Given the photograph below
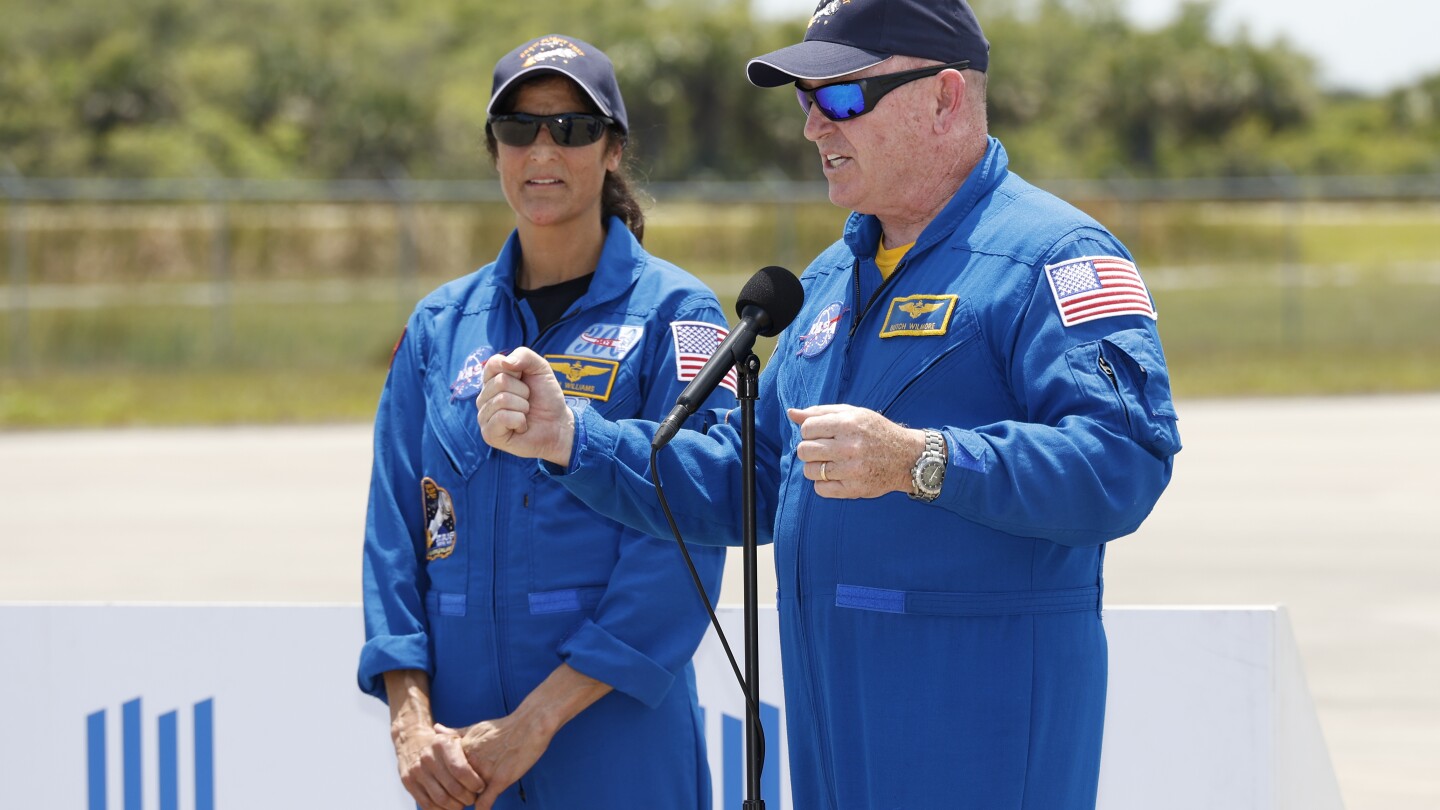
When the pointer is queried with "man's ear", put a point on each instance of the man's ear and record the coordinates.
(949, 100)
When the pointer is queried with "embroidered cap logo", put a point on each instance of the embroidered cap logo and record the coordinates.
(827, 10)
(549, 49)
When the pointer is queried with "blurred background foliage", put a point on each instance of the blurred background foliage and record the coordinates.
(249, 297)
(383, 88)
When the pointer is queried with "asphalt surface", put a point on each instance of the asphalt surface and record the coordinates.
(1328, 506)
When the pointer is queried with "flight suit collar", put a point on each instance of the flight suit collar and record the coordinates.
(862, 231)
(621, 261)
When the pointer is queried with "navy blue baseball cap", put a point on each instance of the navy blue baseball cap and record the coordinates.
(575, 59)
(849, 35)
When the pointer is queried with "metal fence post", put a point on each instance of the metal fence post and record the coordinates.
(221, 292)
(18, 358)
(405, 250)
(1291, 272)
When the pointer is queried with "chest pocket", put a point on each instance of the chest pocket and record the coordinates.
(452, 420)
(614, 393)
(932, 379)
(571, 549)
(451, 423)
(812, 356)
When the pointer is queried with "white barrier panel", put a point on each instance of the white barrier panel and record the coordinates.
(1208, 708)
(188, 707)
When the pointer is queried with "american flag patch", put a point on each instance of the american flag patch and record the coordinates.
(695, 341)
(1098, 287)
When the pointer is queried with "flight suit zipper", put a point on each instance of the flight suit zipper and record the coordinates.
(538, 345)
(875, 296)
(804, 601)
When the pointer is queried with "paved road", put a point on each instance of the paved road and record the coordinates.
(1326, 506)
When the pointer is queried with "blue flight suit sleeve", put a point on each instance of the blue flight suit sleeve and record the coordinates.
(699, 469)
(1096, 447)
(650, 618)
(394, 578)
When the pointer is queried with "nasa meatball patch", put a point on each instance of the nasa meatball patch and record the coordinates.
(822, 330)
(470, 378)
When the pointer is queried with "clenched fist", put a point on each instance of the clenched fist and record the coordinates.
(522, 410)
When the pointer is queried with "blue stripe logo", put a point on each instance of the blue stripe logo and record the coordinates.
(732, 777)
(131, 759)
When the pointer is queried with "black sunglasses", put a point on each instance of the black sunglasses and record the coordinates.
(566, 129)
(842, 101)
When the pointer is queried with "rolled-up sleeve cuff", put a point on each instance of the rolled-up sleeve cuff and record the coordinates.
(384, 654)
(970, 459)
(594, 652)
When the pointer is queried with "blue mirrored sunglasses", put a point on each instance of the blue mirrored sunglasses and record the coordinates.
(842, 101)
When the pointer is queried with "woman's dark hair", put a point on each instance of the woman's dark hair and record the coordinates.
(616, 197)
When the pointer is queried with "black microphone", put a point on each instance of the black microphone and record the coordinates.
(767, 304)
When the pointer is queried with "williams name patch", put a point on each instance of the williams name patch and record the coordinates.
(589, 377)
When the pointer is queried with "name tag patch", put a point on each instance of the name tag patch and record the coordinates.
(589, 377)
(916, 315)
(439, 520)
(611, 341)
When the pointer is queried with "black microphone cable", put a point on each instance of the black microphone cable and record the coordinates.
(750, 707)
(767, 304)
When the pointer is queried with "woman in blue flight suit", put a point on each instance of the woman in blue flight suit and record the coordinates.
(532, 651)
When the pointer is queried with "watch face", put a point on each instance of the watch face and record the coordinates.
(932, 475)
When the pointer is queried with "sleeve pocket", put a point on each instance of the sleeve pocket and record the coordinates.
(1134, 370)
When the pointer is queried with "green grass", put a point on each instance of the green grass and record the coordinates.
(146, 398)
(1255, 299)
(310, 362)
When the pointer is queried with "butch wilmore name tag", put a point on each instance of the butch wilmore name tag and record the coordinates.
(917, 315)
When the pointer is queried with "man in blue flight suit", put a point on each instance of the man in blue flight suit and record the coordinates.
(972, 402)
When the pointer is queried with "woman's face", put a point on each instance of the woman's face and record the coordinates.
(547, 184)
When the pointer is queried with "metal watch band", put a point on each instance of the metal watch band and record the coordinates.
(934, 453)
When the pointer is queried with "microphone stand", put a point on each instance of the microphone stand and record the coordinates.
(749, 388)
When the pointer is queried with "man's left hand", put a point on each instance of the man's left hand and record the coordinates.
(852, 452)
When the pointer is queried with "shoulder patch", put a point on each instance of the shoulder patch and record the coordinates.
(396, 349)
(695, 341)
(1095, 287)
(440, 532)
(918, 315)
(589, 377)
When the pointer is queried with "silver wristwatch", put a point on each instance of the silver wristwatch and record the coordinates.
(928, 474)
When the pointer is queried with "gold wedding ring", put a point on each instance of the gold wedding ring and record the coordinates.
(823, 476)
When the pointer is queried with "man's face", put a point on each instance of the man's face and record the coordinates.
(869, 160)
